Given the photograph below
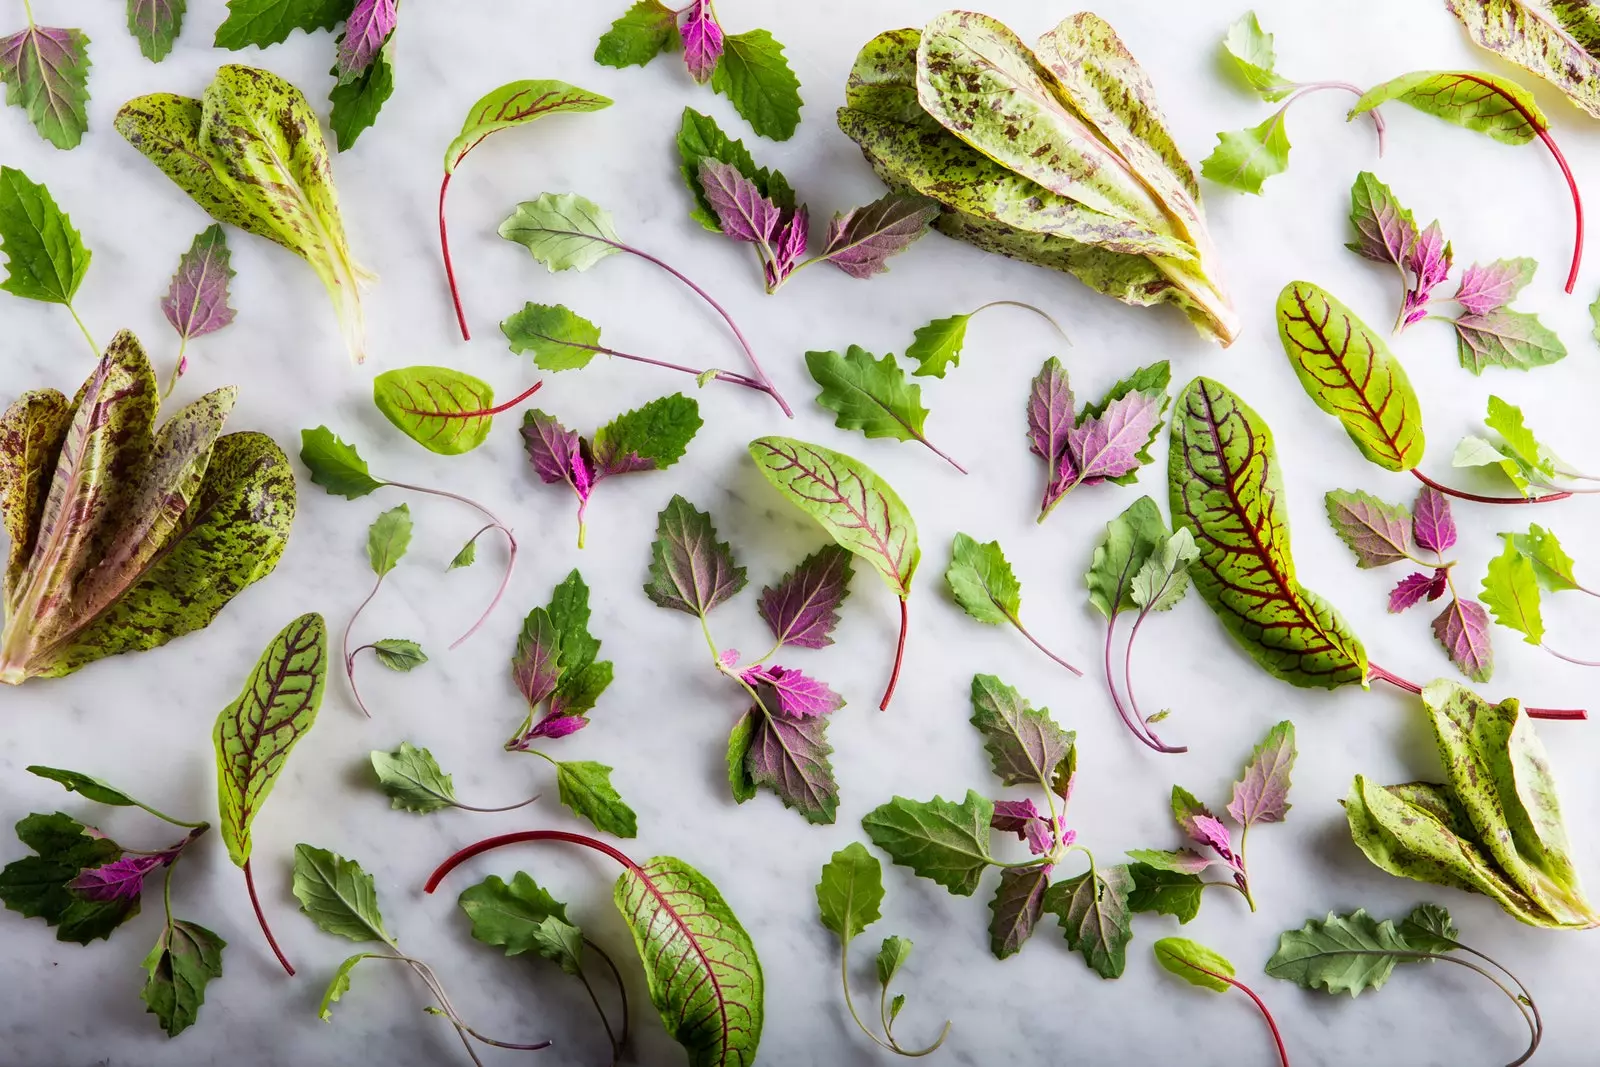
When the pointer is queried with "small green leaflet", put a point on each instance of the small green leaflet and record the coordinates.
(267, 22)
(558, 338)
(1194, 963)
(892, 956)
(849, 893)
(413, 779)
(177, 971)
(871, 395)
(1511, 593)
(586, 789)
(337, 895)
(355, 102)
(336, 465)
(1514, 449)
(520, 917)
(95, 789)
(46, 71)
(388, 538)
(46, 259)
(255, 734)
(1244, 159)
(643, 32)
(754, 74)
(399, 654)
(339, 985)
(1132, 539)
(1161, 888)
(1094, 916)
(1164, 577)
(1254, 59)
(937, 346)
(937, 839)
(564, 231)
(464, 558)
(1551, 564)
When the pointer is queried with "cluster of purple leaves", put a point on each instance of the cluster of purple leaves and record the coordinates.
(1105, 442)
(780, 743)
(1380, 534)
(1488, 331)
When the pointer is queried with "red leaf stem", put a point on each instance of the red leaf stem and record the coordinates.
(488, 844)
(255, 902)
(1283, 1053)
(1556, 714)
(479, 413)
(1462, 494)
(899, 657)
(449, 268)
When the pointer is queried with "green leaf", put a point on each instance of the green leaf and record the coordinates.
(339, 985)
(36, 886)
(586, 790)
(1162, 891)
(558, 338)
(255, 734)
(1194, 963)
(337, 895)
(1131, 539)
(1245, 159)
(1474, 99)
(464, 558)
(856, 507)
(1348, 370)
(266, 22)
(1164, 577)
(45, 257)
(388, 538)
(1226, 486)
(95, 789)
(445, 411)
(582, 679)
(522, 917)
(701, 967)
(700, 138)
(1250, 48)
(46, 71)
(1025, 745)
(357, 101)
(740, 782)
(754, 74)
(850, 891)
(1506, 338)
(1511, 593)
(982, 582)
(399, 654)
(869, 394)
(517, 104)
(1551, 564)
(1341, 954)
(1525, 450)
(937, 839)
(643, 32)
(155, 24)
(936, 346)
(1093, 912)
(178, 970)
(413, 779)
(658, 432)
(335, 464)
(1429, 928)
(891, 957)
(564, 231)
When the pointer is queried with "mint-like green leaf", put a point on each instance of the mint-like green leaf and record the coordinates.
(1244, 159)
(46, 71)
(413, 779)
(266, 22)
(337, 895)
(36, 886)
(755, 76)
(179, 968)
(357, 101)
(586, 789)
(1162, 890)
(558, 338)
(641, 33)
(399, 654)
(937, 839)
(388, 538)
(45, 257)
(850, 891)
(656, 434)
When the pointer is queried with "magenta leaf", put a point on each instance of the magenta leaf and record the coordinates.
(803, 608)
(1385, 231)
(1463, 629)
(1262, 792)
(536, 665)
(788, 246)
(552, 449)
(702, 41)
(1485, 288)
(743, 213)
(555, 724)
(790, 757)
(1013, 816)
(1429, 262)
(1434, 526)
(197, 301)
(862, 239)
(121, 879)
(1415, 588)
(1050, 413)
(1107, 445)
(799, 696)
(367, 28)
(1040, 839)
(728, 657)
(1209, 830)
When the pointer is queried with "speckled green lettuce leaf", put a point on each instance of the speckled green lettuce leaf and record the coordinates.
(31, 433)
(1227, 490)
(1558, 41)
(250, 152)
(1348, 370)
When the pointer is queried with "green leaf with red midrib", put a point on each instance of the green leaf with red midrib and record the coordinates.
(1318, 648)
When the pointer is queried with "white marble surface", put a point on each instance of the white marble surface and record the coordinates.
(144, 721)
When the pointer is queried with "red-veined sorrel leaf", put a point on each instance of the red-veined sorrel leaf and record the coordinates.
(690, 570)
(197, 301)
(1348, 371)
(803, 608)
(1226, 488)
(861, 240)
(443, 410)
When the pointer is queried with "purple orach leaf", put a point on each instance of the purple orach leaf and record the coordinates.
(798, 695)
(860, 240)
(1013, 816)
(1050, 416)
(728, 657)
(803, 608)
(607, 463)
(1463, 629)
(788, 246)
(1429, 261)
(1385, 231)
(121, 879)
(1415, 588)
(536, 665)
(1485, 288)
(1108, 446)
(1377, 532)
(742, 212)
(1262, 792)
(690, 570)
(1037, 834)
(369, 25)
(583, 476)
(197, 301)
(1431, 521)
(790, 757)
(551, 448)
(554, 725)
(702, 41)
(1209, 830)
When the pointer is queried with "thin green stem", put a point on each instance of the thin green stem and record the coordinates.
(27, 9)
(705, 628)
(70, 309)
(177, 368)
(849, 1002)
(169, 819)
(166, 889)
(888, 1029)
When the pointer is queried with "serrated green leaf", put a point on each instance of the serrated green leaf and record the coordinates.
(1164, 892)
(586, 790)
(1341, 954)
(559, 339)
(155, 24)
(1093, 912)
(413, 779)
(1194, 963)
(690, 570)
(177, 971)
(981, 580)
(399, 654)
(45, 257)
(1429, 928)
(337, 895)
(335, 464)
(355, 102)
(1508, 421)
(850, 891)
(466, 557)
(1250, 48)
(937, 839)
(1129, 542)
(36, 886)
(339, 984)
(869, 394)
(754, 74)
(1024, 743)
(657, 432)
(639, 34)
(1511, 593)
(267, 22)
(700, 138)
(740, 782)
(1551, 564)
(1502, 337)
(1164, 577)
(1244, 159)
(520, 917)
(936, 346)
(564, 231)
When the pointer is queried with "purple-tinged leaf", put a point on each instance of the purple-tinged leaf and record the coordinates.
(1506, 338)
(1429, 261)
(788, 246)
(1018, 903)
(551, 448)
(365, 30)
(798, 696)
(197, 301)
(690, 570)
(803, 608)
(1415, 588)
(1013, 817)
(46, 70)
(1211, 831)
(1484, 288)
(121, 879)
(1107, 445)
(702, 41)
(743, 213)
(1179, 861)
(728, 657)
(554, 725)
(1385, 231)
(1378, 533)
(790, 757)
(1050, 412)
(1432, 523)
(1262, 792)
(1040, 839)
(536, 666)
(862, 239)
(1463, 629)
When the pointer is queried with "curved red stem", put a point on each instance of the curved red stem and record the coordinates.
(449, 268)
(1556, 714)
(899, 657)
(480, 412)
(1283, 1053)
(490, 843)
(1462, 494)
(250, 884)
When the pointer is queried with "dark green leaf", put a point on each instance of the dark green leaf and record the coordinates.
(356, 102)
(36, 886)
(937, 839)
(699, 137)
(586, 789)
(1164, 892)
(46, 259)
(337, 894)
(335, 464)
(413, 779)
(177, 971)
(643, 32)
(754, 74)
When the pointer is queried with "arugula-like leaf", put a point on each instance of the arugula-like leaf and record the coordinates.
(521, 916)
(46, 259)
(1164, 578)
(336, 465)
(585, 788)
(981, 580)
(937, 839)
(754, 74)
(871, 395)
(1341, 954)
(181, 965)
(46, 71)
(267, 22)
(413, 779)
(558, 338)
(641, 33)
